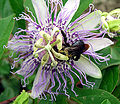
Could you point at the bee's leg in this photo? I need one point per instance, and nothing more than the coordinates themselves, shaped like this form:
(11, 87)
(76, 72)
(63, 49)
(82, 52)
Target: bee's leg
(76, 56)
(61, 51)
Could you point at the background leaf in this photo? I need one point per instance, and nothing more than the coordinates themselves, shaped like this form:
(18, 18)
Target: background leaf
(64, 1)
(86, 96)
(18, 8)
(6, 26)
(106, 102)
(94, 96)
(5, 8)
(117, 92)
(7, 94)
(110, 78)
(96, 81)
(115, 52)
(10, 87)
(4, 67)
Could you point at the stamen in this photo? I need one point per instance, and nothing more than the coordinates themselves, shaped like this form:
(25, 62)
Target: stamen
(45, 35)
(52, 58)
(59, 45)
(45, 59)
(38, 43)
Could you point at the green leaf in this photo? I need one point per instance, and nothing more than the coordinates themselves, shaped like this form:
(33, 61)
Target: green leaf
(18, 8)
(110, 78)
(61, 100)
(6, 26)
(5, 8)
(7, 94)
(116, 92)
(31, 79)
(84, 4)
(13, 83)
(115, 52)
(23, 98)
(86, 96)
(4, 67)
(114, 25)
(93, 96)
(31, 101)
(117, 41)
(106, 101)
(64, 1)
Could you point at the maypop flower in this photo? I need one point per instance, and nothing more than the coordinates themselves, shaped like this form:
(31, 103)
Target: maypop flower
(111, 22)
(57, 46)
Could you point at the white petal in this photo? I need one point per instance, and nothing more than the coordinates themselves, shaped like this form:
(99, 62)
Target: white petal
(41, 10)
(68, 11)
(88, 67)
(37, 91)
(89, 22)
(99, 43)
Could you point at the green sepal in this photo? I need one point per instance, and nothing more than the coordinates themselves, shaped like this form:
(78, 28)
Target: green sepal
(23, 98)
(115, 13)
(104, 14)
(114, 25)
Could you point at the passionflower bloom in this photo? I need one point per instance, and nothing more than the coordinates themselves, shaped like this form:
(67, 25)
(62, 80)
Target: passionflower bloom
(55, 46)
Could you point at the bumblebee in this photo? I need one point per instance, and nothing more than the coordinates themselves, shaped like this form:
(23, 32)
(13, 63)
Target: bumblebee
(75, 50)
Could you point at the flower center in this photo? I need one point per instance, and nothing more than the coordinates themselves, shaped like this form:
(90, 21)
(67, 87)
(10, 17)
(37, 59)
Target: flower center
(38, 47)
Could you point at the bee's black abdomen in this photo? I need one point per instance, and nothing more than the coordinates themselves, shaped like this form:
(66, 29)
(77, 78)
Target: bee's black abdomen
(80, 46)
